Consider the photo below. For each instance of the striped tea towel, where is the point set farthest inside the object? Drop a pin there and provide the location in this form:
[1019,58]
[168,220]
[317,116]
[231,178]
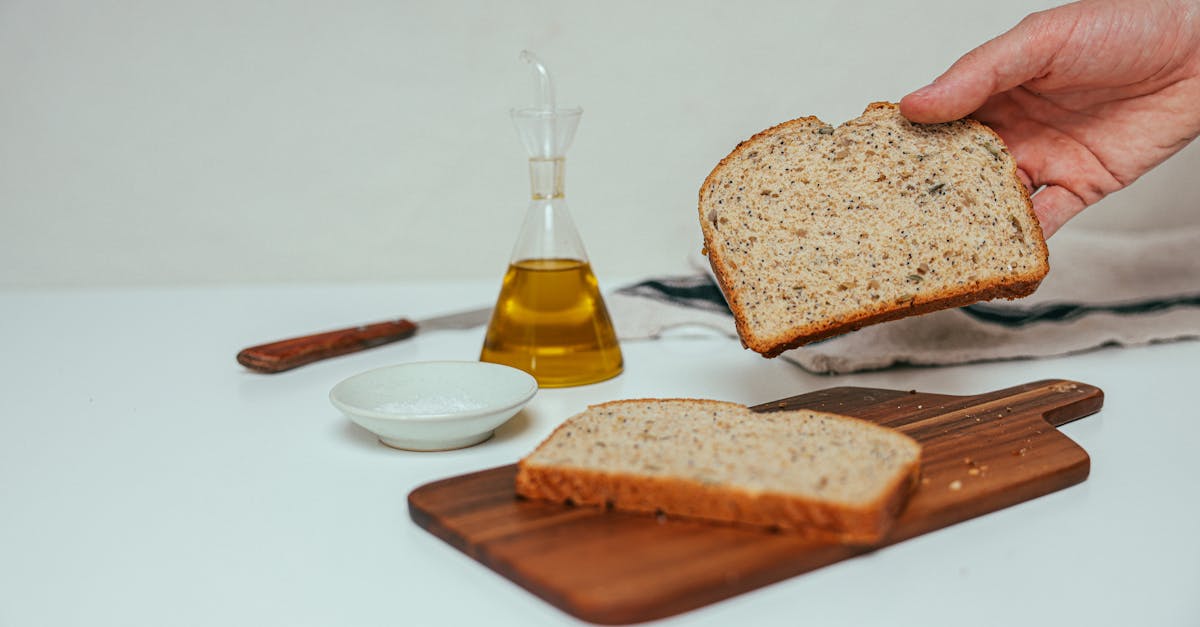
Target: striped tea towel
[1103,289]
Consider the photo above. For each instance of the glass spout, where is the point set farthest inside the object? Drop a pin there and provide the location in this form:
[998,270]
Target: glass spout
[546,130]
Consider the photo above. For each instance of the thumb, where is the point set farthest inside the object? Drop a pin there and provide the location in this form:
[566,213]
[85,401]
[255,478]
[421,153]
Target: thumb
[1023,53]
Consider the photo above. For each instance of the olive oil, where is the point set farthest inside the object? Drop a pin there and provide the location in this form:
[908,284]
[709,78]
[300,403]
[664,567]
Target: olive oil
[550,321]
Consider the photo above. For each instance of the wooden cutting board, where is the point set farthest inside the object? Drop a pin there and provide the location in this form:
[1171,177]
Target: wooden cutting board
[981,453]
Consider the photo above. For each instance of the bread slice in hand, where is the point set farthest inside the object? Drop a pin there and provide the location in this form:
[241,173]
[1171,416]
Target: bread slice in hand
[837,477]
[813,231]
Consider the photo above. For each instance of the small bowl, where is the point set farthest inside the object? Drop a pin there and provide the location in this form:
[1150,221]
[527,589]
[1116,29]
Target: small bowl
[434,405]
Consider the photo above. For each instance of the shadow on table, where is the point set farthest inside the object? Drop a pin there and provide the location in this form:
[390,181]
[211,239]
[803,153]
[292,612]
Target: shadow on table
[513,428]
[359,436]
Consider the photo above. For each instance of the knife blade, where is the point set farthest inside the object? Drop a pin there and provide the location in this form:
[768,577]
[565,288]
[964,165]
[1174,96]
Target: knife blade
[294,352]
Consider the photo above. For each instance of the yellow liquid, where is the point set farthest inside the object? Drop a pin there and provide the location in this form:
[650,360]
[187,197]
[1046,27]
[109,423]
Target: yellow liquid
[550,321]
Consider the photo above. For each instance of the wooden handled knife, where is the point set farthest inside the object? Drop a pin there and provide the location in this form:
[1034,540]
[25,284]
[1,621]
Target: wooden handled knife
[294,352]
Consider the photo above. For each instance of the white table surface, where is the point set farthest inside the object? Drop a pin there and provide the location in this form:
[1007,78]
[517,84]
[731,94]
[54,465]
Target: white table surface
[147,479]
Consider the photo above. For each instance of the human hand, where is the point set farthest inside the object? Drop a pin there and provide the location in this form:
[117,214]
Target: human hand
[1088,96]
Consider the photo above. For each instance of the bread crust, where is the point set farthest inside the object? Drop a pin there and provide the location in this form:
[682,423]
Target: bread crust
[864,525]
[1013,286]
[861,524]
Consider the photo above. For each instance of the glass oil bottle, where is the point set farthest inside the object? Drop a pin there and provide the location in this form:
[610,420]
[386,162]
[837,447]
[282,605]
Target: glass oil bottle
[550,319]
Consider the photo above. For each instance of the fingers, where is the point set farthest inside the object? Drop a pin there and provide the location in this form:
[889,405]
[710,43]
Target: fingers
[1055,205]
[1025,180]
[1023,53]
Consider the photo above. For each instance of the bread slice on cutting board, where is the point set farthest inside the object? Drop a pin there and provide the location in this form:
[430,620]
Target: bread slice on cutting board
[836,476]
[814,230]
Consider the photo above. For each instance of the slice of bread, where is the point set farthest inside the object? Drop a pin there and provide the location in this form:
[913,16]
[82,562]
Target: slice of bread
[813,231]
[836,477]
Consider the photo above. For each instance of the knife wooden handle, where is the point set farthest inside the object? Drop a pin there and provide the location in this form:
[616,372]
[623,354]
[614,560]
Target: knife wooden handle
[298,351]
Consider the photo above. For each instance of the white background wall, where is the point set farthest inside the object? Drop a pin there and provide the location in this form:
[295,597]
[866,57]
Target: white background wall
[176,142]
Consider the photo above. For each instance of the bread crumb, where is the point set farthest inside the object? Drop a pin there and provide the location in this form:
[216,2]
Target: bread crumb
[956,485]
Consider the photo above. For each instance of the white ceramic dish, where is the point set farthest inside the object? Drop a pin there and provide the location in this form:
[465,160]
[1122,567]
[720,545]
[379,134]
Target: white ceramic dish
[434,405]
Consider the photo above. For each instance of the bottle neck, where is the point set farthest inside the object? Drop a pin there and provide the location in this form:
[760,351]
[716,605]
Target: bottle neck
[546,178]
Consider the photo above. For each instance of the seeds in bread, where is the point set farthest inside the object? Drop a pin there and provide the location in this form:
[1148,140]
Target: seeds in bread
[833,476]
[813,231]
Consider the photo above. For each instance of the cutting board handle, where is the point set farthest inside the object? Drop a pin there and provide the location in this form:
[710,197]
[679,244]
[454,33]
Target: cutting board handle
[1061,400]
